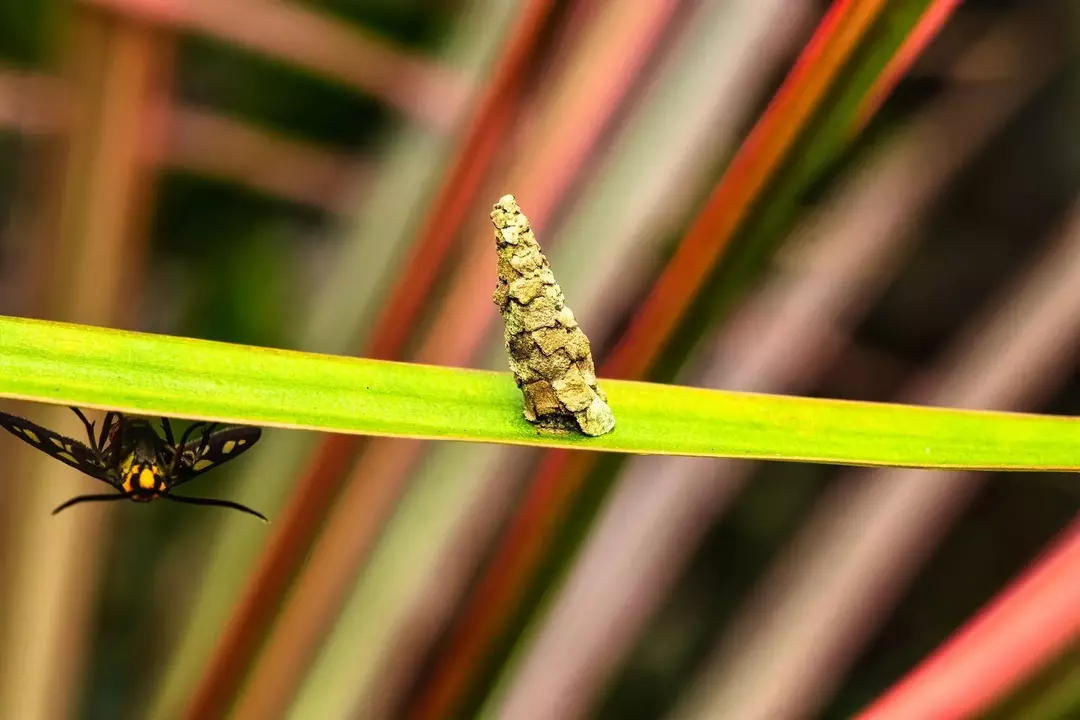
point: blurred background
(863, 200)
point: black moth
(130, 456)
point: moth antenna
(216, 503)
(89, 498)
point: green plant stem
(180, 377)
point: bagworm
(550, 356)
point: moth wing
(67, 450)
(221, 447)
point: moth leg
(206, 438)
(166, 426)
(110, 418)
(178, 450)
(89, 430)
(189, 431)
(96, 446)
(170, 441)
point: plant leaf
(180, 377)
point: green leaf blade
(179, 377)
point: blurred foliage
(990, 222)
(417, 24)
(26, 31)
(761, 519)
(225, 263)
(265, 92)
(235, 252)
